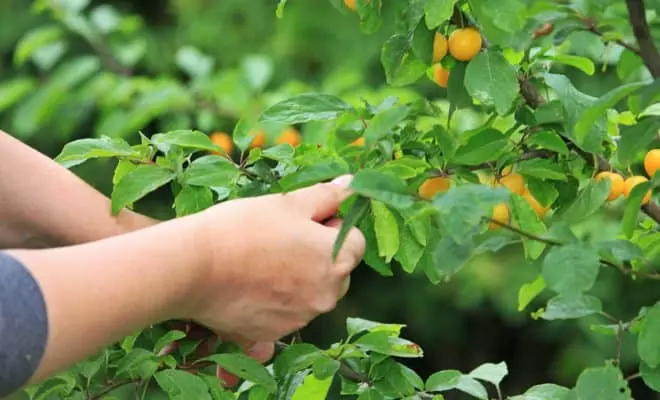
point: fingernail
(344, 180)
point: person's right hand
(267, 266)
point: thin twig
(112, 387)
(522, 233)
(593, 29)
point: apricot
(440, 75)
(289, 136)
(652, 162)
(224, 141)
(432, 186)
(500, 214)
(514, 182)
(616, 188)
(464, 43)
(630, 183)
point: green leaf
(528, 221)
(462, 210)
(489, 372)
(387, 230)
(599, 108)
(383, 123)
(541, 168)
(384, 343)
(133, 361)
(633, 203)
(382, 187)
(529, 291)
(13, 90)
(619, 250)
(325, 367)
(306, 107)
(192, 199)
(410, 250)
(509, 15)
(280, 152)
(647, 343)
(60, 386)
(211, 171)
(575, 104)
(313, 174)
(486, 145)
(650, 376)
(138, 183)
(370, 15)
(180, 385)
(313, 388)
(438, 11)
(79, 151)
(186, 139)
(582, 63)
(548, 140)
(490, 79)
(359, 325)
(34, 40)
(352, 218)
(444, 257)
(589, 201)
(636, 139)
(423, 38)
(443, 380)
(604, 383)
(371, 394)
(571, 307)
(546, 391)
(295, 358)
(371, 257)
(571, 269)
(456, 92)
(401, 66)
(168, 338)
(544, 192)
(245, 367)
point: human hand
(272, 272)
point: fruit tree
(430, 193)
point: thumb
(322, 200)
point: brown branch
(112, 387)
(647, 49)
(593, 29)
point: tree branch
(647, 49)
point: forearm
(42, 204)
(97, 293)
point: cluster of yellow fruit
(621, 186)
(223, 140)
(463, 44)
(511, 180)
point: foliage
(539, 125)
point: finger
(322, 201)
(262, 351)
(334, 223)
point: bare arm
(42, 204)
(252, 270)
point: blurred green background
(165, 64)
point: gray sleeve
(23, 325)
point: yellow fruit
(440, 75)
(536, 206)
(514, 182)
(431, 187)
(259, 139)
(616, 188)
(439, 47)
(358, 142)
(289, 136)
(652, 162)
(633, 181)
(223, 141)
(352, 4)
(464, 43)
(500, 214)
(485, 178)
